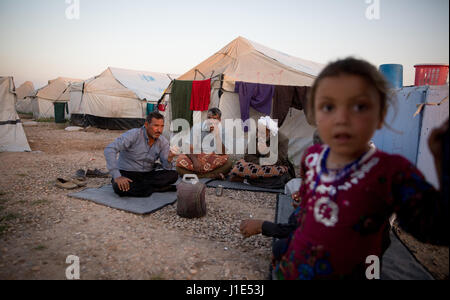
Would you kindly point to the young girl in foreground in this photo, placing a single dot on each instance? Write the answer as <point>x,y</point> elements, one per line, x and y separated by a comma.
<point>350,189</point>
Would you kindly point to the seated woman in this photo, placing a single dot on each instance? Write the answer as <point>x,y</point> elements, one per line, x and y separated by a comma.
<point>211,160</point>
<point>253,166</point>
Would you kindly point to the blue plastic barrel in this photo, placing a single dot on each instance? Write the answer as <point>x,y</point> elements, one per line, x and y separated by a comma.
<point>393,74</point>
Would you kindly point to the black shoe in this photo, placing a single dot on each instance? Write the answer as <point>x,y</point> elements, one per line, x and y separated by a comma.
<point>96,173</point>
<point>80,173</point>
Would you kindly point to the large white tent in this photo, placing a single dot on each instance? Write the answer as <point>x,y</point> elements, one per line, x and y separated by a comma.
<point>247,61</point>
<point>57,91</point>
<point>25,95</point>
<point>117,98</point>
<point>12,135</point>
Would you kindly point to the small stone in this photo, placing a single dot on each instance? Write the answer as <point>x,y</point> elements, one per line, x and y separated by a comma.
<point>35,268</point>
<point>193,271</point>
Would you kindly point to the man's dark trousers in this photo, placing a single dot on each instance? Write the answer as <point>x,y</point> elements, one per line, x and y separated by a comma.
<point>146,183</point>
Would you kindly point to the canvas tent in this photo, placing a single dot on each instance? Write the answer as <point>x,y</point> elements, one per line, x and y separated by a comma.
<point>117,98</point>
<point>57,90</point>
<point>247,61</point>
<point>12,135</point>
<point>25,95</point>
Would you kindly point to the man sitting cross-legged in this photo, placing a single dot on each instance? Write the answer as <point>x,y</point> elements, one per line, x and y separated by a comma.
<point>134,172</point>
<point>208,142</point>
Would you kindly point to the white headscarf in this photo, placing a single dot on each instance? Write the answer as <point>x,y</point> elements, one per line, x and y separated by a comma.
<point>269,124</point>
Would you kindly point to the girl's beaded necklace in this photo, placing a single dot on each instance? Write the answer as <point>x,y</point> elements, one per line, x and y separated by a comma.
<point>341,174</point>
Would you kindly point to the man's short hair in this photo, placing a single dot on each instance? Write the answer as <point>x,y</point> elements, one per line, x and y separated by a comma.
<point>215,112</point>
<point>154,115</point>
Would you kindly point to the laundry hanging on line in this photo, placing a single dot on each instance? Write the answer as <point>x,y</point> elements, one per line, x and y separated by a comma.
<point>181,101</point>
<point>200,95</point>
<point>256,95</point>
<point>286,97</point>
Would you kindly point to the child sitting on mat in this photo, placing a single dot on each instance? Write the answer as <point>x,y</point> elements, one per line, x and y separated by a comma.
<point>349,189</point>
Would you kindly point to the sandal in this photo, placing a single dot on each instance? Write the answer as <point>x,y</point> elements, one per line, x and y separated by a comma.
<point>65,184</point>
<point>79,182</point>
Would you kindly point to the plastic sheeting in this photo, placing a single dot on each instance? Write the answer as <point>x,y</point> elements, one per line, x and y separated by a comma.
<point>408,135</point>
<point>403,135</point>
<point>433,116</point>
<point>146,85</point>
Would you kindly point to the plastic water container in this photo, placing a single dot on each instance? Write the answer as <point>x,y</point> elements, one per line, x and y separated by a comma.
<point>393,74</point>
<point>191,197</point>
<point>431,74</point>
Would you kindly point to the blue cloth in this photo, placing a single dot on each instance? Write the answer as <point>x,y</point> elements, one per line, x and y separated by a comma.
<point>135,154</point>
<point>257,95</point>
<point>150,108</point>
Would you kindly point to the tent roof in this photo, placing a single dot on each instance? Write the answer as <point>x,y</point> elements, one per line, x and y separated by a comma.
<point>146,85</point>
<point>57,89</point>
<point>25,90</point>
<point>143,85</point>
<point>244,60</point>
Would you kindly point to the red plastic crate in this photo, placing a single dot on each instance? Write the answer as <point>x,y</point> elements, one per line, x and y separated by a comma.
<point>431,74</point>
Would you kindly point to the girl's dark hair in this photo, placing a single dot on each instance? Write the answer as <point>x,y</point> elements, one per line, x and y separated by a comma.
<point>351,66</point>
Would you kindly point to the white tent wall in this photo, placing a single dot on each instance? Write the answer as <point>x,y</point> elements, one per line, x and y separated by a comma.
<point>104,96</point>
<point>25,105</point>
<point>112,107</point>
<point>12,134</point>
<point>13,138</point>
<point>433,116</point>
<point>58,90</point>
<point>76,94</point>
<point>43,108</point>
<point>116,98</point>
<point>25,94</point>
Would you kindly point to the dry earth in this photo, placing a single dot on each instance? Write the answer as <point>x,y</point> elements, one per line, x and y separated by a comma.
<point>40,225</point>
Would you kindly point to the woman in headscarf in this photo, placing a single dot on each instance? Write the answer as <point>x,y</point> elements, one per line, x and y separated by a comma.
<point>269,167</point>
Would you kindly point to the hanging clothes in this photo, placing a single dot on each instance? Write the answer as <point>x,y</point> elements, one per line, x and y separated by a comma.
<point>286,97</point>
<point>150,108</point>
<point>257,95</point>
<point>201,95</point>
<point>181,100</point>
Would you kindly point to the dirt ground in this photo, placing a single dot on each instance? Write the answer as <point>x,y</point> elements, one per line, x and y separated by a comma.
<point>40,226</point>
